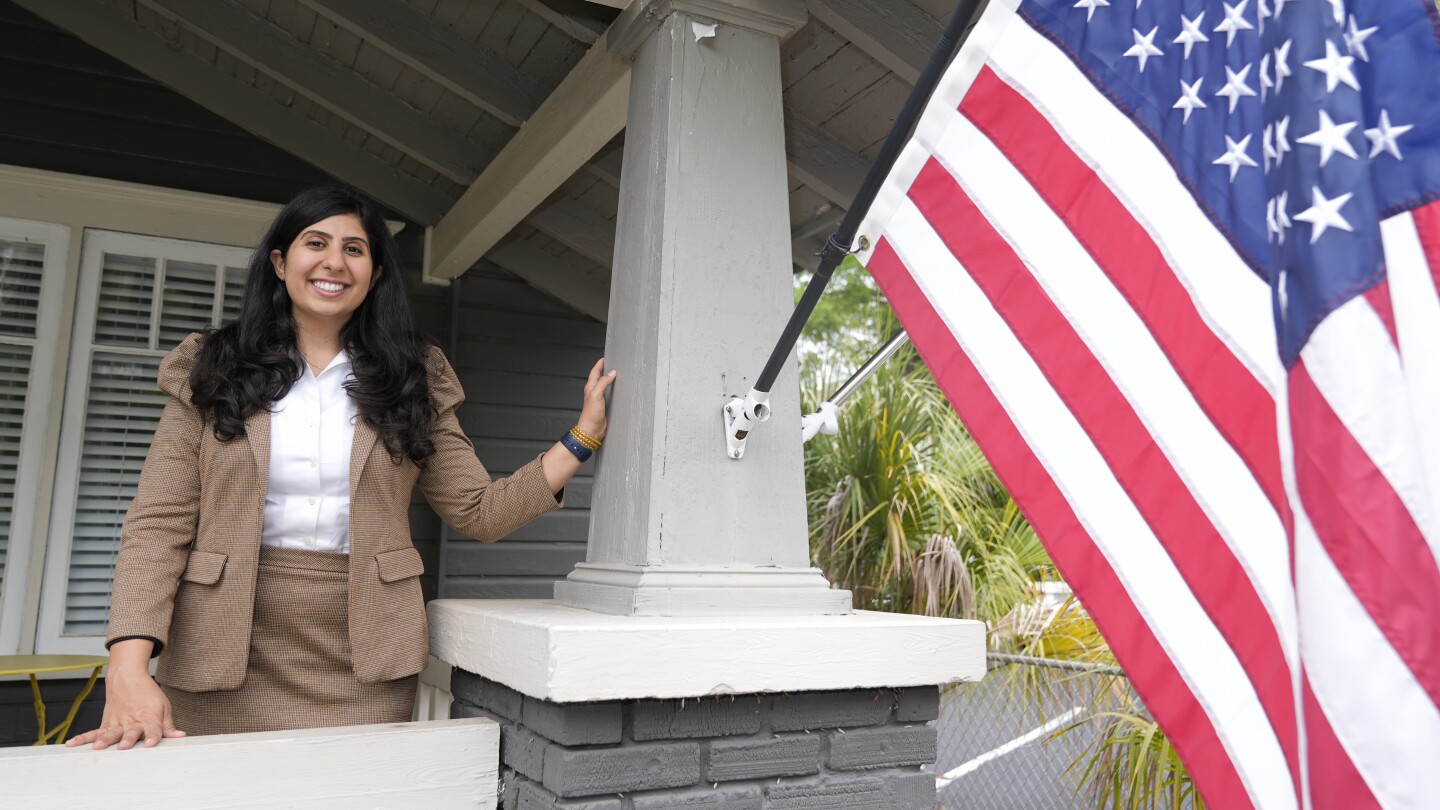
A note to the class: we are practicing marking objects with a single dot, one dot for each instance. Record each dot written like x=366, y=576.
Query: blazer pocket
x=399, y=564
x=204, y=567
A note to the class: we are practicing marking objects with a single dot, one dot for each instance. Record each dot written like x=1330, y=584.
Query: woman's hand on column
x=592, y=411
x=135, y=708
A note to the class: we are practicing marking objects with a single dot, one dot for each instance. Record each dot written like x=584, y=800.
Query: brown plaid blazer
x=190, y=547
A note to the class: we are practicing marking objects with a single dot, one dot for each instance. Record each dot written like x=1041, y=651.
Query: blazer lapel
x=360, y=447
x=257, y=431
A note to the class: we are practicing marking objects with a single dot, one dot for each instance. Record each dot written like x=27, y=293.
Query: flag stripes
x=1074, y=549
x=1115, y=357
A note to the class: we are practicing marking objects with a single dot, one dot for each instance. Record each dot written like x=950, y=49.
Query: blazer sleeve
x=455, y=482
x=162, y=520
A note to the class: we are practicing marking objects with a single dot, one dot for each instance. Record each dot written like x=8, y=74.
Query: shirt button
x=309, y=541
x=314, y=464
x=312, y=501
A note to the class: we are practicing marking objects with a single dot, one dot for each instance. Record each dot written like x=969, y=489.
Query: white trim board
x=446, y=763
x=569, y=655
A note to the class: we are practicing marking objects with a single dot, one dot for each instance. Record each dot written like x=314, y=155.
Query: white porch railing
x=435, y=764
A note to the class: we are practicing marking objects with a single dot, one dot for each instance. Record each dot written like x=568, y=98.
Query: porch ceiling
x=412, y=101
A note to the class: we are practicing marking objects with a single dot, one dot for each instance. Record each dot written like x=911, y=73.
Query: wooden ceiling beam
x=576, y=121
x=897, y=34
x=565, y=281
x=440, y=54
x=342, y=91
x=570, y=16
x=572, y=224
x=122, y=38
x=823, y=163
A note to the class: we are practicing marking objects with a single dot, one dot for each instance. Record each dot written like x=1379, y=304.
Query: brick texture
x=918, y=704
x=793, y=755
x=814, y=710
x=864, y=793
x=885, y=747
x=590, y=771
x=704, y=717
x=833, y=750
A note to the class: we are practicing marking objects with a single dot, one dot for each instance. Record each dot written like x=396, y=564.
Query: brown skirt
x=299, y=675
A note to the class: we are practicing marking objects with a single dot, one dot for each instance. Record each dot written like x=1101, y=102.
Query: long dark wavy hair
x=247, y=365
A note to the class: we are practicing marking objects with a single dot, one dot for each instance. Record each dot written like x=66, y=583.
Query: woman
x=266, y=558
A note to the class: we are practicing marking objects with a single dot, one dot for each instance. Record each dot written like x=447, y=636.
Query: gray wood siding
x=522, y=357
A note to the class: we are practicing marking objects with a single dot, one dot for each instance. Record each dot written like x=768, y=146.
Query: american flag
x=1175, y=264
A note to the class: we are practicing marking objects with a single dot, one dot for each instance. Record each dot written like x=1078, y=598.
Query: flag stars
x=1265, y=83
x=1282, y=60
x=1144, y=46
x=1382, y=137
x=1280, y=6
x=1337, y=7
x=1234, y=22
x=1335, y=67
x=1324, y=214
x=1355, y=38
x=1235, y=87
x=1277, y=220
x=1262, y=12
x=1330, y=138
x=1190, y=33
x=1235, y=156
x=1282, y=141
x=1267, y=146
x=1090, y=6
x=1189, y=99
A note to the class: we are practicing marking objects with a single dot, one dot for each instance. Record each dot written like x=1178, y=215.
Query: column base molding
x=670, y=590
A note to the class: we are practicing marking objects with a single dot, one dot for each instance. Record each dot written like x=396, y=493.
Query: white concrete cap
x=564, y=654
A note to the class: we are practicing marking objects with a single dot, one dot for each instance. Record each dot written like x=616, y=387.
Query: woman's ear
x=277, y=259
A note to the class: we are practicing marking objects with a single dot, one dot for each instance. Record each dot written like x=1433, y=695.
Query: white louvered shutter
x=21, y=273
x=150, y=294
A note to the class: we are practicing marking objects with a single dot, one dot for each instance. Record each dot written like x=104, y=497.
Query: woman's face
x=327, y=270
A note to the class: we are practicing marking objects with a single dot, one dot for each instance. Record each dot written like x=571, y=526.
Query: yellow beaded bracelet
x=590, y=442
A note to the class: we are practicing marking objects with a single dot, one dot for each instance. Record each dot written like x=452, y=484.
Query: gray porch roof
x=414, y=100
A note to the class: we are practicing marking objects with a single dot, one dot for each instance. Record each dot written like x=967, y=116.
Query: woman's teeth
x=328, y=286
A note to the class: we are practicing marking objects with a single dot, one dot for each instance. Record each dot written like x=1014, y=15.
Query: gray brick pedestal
x=858, y=749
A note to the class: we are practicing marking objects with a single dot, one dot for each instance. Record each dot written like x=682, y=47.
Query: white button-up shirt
x=312, y=429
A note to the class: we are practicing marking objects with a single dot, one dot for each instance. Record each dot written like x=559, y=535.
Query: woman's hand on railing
x=135, y=708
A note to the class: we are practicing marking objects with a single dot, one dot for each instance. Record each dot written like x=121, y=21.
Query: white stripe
x=1211, y=468
x=1230, y=297
x=948, y=778
x=1200, y=653
x=1357, y=370
x=953, y=84
x=1416, y=305
x=1381, y=715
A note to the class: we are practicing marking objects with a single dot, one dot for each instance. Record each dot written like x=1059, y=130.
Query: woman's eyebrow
x=359, y=239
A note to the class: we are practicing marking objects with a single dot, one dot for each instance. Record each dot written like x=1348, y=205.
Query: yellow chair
x=33, y=665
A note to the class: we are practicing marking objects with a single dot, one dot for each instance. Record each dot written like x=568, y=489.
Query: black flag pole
x=741, y=414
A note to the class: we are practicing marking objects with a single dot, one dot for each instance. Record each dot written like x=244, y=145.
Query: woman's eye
x=315, y=243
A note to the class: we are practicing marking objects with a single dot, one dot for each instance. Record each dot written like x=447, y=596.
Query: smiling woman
x=266, y=558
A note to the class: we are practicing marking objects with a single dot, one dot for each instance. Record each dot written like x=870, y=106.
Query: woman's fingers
x=81, y=739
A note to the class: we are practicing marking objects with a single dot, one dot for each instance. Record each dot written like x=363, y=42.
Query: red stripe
x=1201, y=554
x=1334, y=782
x=1074, y=551
x=1367, y=531
x=1227, y=391
x=1427, y=225
x=1379, y=298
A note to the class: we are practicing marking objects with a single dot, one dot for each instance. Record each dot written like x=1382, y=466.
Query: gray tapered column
x=700, y=292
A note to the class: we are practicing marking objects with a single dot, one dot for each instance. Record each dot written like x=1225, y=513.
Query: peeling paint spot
x=702, y=30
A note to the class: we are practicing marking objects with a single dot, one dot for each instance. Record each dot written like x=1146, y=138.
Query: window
x=138, y=299
x=32, y=268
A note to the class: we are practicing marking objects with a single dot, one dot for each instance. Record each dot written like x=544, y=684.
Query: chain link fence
x=1010, y=740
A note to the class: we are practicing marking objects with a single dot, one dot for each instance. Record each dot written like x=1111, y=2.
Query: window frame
x=31, y=468
x=50, y=636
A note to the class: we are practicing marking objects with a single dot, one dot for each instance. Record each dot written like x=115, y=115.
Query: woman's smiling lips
x=329, y=289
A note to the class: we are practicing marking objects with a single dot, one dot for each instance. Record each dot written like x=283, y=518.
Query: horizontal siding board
x=506, y=388
x=497, y=355
x=563, y=331
x=513, y=422
x=467, y=558
x=500, y=587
